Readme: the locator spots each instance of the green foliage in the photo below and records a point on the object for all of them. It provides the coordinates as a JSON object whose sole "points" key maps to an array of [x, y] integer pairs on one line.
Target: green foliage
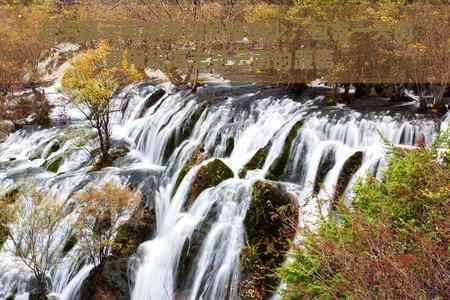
{"points": [[441, 147], [392, 244]]}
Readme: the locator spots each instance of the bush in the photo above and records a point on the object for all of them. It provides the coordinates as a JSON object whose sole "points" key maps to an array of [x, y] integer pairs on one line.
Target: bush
{"points": [[32, 221], [392, 244], [101, 209]]}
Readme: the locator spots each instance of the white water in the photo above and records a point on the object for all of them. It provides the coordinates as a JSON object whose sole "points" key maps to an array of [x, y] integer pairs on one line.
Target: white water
{"points": [[251, 120]]}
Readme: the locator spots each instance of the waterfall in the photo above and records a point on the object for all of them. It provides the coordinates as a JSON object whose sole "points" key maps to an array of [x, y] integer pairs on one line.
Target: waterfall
{"points": [[231, 123]]}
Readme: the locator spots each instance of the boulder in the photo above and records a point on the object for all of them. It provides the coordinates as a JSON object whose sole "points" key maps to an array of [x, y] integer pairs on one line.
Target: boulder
{"points": [[209, 175], [278, 167], [151, 100], [133, 232], [196, 158], [270, 223], [349, 168], [178, 136], [257, 161], [325, 165], [109, 280]]}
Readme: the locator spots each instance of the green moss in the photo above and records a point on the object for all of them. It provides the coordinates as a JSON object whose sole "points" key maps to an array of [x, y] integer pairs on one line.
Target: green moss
{"points": [[196, 158], [53, 164], [114, 154], [330, 100], [270, 224], [3, 234], [278, 167], [257, 161], [133, 232], [188, 126], [208, 176]]}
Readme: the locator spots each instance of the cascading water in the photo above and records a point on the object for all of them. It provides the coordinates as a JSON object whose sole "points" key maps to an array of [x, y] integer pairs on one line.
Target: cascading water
{"points": [[231, 124]]}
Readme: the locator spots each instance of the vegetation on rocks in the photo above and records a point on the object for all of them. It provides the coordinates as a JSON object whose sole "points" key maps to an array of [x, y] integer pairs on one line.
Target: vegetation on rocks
{"points": [[392, 244], [209, 175], [100, 210], [257, 160], [270, 224], [196, 158], [278, 167], [109, 280]]}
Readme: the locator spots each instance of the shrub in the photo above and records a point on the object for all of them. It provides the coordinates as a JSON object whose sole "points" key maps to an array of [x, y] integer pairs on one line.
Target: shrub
{"points": [[32, 224], [392, 244], [101, 209]]}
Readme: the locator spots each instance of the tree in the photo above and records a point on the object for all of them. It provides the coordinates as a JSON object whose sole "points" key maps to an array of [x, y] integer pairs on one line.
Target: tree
{"points": [[92, 86], [100, 210], [32, 224]]}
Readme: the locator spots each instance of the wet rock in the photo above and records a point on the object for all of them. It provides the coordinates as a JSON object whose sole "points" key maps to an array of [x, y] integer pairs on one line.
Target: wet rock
{"points": [[109, 280], [278, 167], [178, 136], [349, 168], [151, 100], [208, 176], [196, 158], [191, 248], [53, 164], [257, 161], [69, 244], [270, 224], [326, 164], [3, 234], [229, 146], [133, 232], [115, 153]]}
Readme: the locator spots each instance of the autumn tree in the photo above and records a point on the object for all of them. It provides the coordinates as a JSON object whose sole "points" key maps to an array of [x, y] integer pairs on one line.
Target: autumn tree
{"points": [[92, 84], [33, 227], [100, 211]]}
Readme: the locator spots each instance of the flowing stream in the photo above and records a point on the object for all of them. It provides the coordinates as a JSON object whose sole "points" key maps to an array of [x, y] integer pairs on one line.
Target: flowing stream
{"points": [[230, 123]]}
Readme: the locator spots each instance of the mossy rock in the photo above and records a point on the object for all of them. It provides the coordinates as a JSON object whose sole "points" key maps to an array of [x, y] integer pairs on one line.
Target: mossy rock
{"points": [[3, 234], [53, 164], [278, 167], [133, 232], [176, 138], [114, 154], [351, 165], [151, 100], [209, 175], [271, 223], [325, 165], [196, 158], [257, 161], [330, 100], [109, 280]]}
